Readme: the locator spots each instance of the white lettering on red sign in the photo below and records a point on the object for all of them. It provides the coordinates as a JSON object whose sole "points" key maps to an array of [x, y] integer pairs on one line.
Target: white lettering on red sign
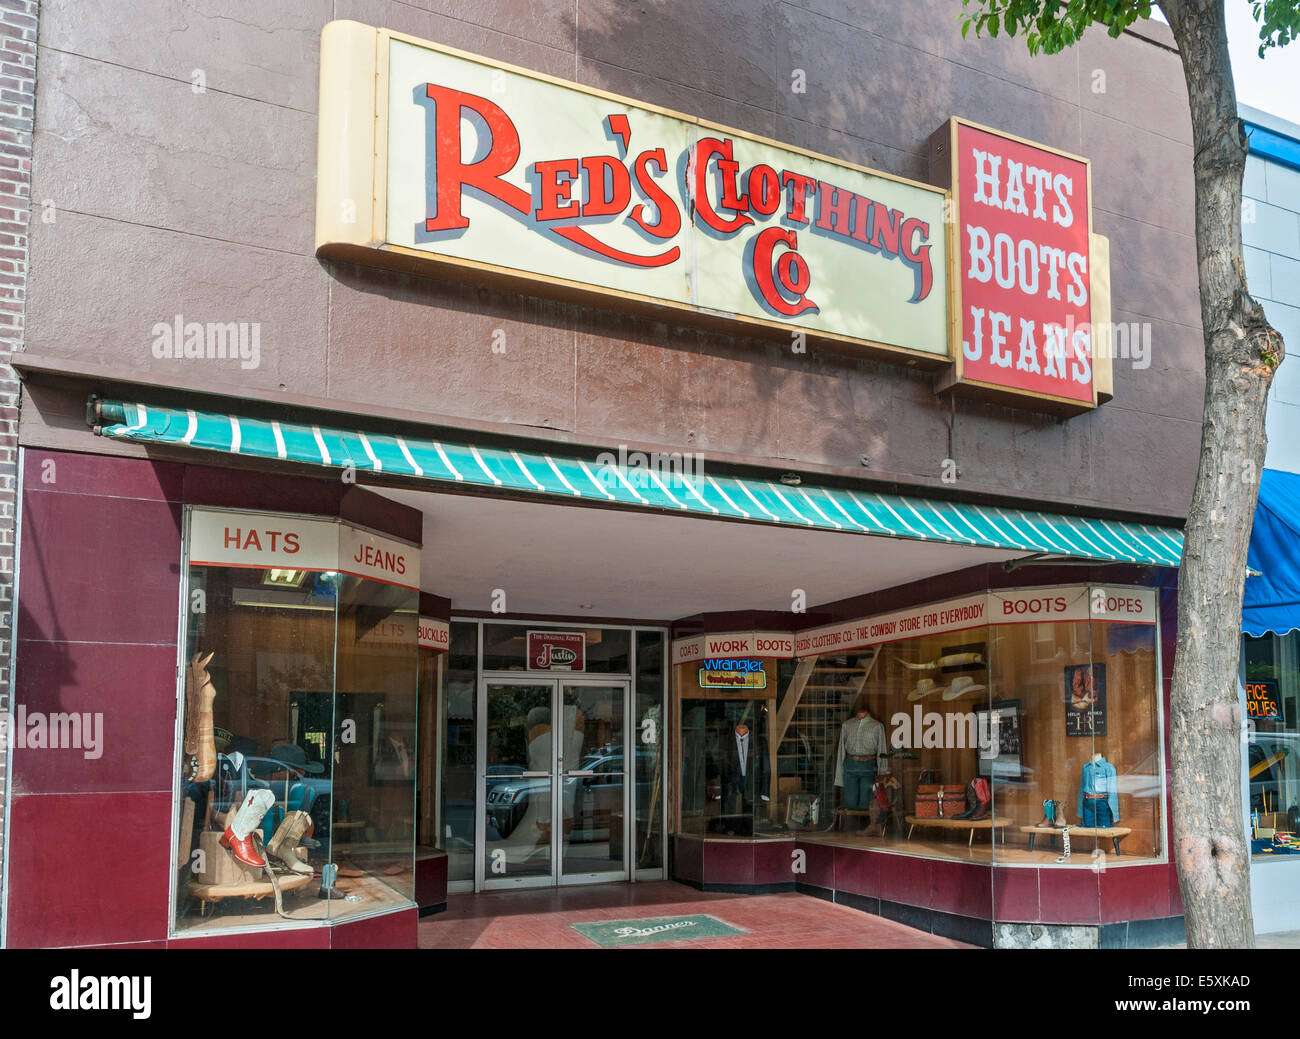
{"points": [[1025, 280]]}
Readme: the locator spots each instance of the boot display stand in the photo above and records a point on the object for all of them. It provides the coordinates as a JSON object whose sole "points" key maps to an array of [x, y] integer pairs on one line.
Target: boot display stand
{"points": [[1114, 834], [224, 877], [971, 825]]}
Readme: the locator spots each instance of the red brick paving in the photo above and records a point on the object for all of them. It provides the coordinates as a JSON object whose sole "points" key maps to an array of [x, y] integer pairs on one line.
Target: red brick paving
{"points": [[542, 919]]}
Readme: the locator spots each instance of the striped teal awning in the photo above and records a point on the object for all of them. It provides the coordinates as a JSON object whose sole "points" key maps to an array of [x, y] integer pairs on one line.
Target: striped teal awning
{"points": [[567, 476]]}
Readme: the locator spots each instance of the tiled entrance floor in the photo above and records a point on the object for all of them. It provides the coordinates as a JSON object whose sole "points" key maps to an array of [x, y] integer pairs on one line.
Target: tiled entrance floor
{"points": [[542, 919]]}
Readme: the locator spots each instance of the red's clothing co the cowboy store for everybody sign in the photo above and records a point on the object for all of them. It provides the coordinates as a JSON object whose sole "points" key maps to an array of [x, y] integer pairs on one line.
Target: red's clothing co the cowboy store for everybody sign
{"points": [[500, 174]]}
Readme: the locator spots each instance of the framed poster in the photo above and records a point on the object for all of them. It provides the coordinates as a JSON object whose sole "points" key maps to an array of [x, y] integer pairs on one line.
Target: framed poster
{"points": [[1085, 700], [1001, 743]]}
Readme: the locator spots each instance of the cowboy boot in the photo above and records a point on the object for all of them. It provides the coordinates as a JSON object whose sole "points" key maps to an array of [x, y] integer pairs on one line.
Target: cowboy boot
{"points": [[1060, 821], [877, 827], [239, 833], [285, 842], [972, 802], [983, 800], [1049, 814]]}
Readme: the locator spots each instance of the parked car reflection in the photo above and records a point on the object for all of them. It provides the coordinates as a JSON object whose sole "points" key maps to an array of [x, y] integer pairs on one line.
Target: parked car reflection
{"points": [[595, 798]]}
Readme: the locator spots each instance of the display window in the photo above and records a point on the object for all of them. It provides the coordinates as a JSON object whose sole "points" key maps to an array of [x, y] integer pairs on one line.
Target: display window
{"points": [[1271, 666], [299, 753], [1014, 727]]}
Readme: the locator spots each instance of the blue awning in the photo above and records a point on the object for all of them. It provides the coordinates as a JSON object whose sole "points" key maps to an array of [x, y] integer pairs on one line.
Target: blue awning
{"points": [[557, 476], [1272, 602]]}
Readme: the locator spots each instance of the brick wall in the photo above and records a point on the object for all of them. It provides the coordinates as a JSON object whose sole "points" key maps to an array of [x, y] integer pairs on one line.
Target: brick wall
{"points": [[18, 22]]}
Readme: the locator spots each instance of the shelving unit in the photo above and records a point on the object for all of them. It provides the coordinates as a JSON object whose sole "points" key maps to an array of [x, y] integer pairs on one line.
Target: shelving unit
{"points": [[814, 707]]}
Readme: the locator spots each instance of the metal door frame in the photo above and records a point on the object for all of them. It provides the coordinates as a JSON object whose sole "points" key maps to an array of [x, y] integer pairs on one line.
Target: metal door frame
{"points": [[555, 878], [629, 780]]}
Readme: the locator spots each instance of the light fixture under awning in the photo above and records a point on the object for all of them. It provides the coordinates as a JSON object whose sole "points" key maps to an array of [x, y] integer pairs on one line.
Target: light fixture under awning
{"points": [[554, 476]]}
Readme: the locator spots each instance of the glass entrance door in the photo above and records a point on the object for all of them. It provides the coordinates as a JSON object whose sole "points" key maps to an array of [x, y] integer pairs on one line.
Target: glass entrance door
{"points": [[553, 791]]}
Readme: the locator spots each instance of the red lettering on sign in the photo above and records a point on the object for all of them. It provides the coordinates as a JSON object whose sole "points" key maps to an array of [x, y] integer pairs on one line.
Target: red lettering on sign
{"points": [[706, 149], [487, 174], [790, 269]]}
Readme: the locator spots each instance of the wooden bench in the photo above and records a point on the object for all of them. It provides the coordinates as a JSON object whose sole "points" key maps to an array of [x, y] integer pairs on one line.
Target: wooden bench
{"points": [[972, 825], [1114, 833]]}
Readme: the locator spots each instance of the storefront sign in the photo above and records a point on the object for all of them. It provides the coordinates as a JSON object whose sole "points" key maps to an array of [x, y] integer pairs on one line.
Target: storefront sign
{"points": [[734, 644], [557, 651], [508, 175], [933, 619], [434, 634], [273, 541], [733, 674], [262, 541], [366, 554], [1130, 606], [1263, 700], [1022, 279]]}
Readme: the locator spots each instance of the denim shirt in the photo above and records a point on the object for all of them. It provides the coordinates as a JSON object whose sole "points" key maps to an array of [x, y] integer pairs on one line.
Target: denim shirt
{"points": [[1099, 778]]}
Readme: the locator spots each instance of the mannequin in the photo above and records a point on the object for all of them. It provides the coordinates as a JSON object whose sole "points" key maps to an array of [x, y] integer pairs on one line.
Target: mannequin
{"points": [[862, 752], [536, 822], [1098, 793], [743, 774]]}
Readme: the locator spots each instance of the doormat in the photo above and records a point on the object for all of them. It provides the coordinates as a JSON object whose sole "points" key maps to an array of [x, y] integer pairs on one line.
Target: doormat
{"points": [[612, 934]]}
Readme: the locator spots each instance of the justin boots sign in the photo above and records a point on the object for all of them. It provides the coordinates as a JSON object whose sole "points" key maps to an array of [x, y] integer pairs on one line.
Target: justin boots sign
{"points": [[436, 160], [496, 173]]}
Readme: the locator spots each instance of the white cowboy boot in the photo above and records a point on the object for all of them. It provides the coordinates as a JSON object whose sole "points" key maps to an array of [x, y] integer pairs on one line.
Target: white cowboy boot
{"points": [[239, 833], [284, 843]]}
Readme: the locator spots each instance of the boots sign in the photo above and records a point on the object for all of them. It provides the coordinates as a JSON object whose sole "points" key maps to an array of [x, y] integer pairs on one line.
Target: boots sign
{"points": [[1022, 291], [503, 174]]}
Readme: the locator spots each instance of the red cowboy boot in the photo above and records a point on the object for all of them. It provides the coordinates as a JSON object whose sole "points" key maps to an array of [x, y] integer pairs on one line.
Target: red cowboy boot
{"points": [[244, 851], [239, 832]]}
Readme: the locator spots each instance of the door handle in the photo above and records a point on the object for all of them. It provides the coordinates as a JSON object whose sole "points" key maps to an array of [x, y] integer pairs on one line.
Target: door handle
{"points": [[534, 775], [587, 772]]}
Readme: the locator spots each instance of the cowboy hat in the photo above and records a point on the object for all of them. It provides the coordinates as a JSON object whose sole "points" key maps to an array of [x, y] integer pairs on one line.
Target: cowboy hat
{"points": [[962, 685], [925, 687]]}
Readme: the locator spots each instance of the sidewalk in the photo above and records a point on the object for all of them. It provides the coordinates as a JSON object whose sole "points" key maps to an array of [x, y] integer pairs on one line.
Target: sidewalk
{"points": [[544, 919]]}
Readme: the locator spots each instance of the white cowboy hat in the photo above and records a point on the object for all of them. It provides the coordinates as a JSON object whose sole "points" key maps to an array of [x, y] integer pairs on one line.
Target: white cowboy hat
{"points": [[925, 687], [961, 686]]}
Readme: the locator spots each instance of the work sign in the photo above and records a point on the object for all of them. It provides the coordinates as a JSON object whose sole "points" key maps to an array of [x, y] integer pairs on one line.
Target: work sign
{"points": [[512, 173]]}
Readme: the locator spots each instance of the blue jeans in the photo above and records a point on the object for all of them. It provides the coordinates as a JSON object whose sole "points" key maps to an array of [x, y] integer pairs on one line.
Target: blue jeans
{"points": [[1096, 813], [859, 777]]}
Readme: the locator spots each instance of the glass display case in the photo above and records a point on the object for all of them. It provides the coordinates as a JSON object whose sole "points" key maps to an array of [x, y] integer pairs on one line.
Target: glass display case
{"points": [[1271, 671], [298, 764], [1025, 728]]}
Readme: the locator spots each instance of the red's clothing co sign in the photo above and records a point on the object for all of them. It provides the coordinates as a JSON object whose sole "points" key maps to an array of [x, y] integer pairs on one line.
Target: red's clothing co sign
{"points": [[437, 159]]}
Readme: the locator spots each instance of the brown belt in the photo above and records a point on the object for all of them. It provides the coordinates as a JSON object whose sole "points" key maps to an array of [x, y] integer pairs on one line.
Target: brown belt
{"points": [[1095, 797], [860, 757]]}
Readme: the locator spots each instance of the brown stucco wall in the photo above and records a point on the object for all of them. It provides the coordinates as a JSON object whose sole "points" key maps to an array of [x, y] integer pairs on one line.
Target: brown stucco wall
{"points": [[178, 143]]}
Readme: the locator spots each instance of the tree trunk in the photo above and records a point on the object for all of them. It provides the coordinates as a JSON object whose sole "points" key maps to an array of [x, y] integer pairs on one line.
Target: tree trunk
{"points": [[1241, 353]]}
